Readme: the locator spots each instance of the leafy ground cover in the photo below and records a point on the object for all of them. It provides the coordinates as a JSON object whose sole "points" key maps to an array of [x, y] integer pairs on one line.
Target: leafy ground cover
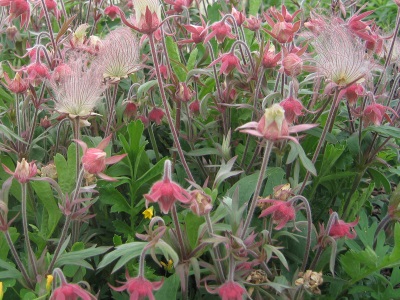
{"points": [[199, 149]]}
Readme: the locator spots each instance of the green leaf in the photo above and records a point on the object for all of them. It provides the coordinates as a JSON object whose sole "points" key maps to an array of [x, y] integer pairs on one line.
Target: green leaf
{"points": [[66, 170], [10, 271], [78, 257], [113, 197], [304, 159], [192, 224], [385, 130], [248, 183], [169, 289], [204, 151], [254, 7], [176, 64], [380, 180], [45, 195], [192, 59], [144, 88]]}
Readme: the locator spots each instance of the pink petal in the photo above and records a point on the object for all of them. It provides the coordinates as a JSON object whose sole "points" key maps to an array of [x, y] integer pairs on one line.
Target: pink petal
{"points": [[103, 144], [82, 144], [114, 159], [106, 177], [301, 127], [248, 125]]}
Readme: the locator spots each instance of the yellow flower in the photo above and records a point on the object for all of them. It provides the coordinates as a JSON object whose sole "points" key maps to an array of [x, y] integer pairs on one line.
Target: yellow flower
{"points": [[148, 213], [49, 281], [168, 266], [1, 291]]}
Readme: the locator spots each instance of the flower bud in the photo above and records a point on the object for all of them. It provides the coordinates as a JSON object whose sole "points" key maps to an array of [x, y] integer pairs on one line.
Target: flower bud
{"points": [[183, 93], [200, 203]]}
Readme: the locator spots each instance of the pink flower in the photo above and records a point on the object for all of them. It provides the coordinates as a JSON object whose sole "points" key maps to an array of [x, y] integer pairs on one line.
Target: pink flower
{"points": [[24, 171], [220, 30], [293, 108], [165, 192], [71, 291], [342, 229], [230, 290], [156, 115], [94, 160], [281, 211], [194, 107], [18, 85], [198, 33], [178, 5], [284, 14], [183, 93], [359, 27], [229, 62], [18, 8], [51, 5], [273, 125], [374, 114], [200, 203], [353, 92], [283, 31], [270, 59], [239, 16], [111, 11], [253, 23], [147, 17], [37, 72], [139, 288]]}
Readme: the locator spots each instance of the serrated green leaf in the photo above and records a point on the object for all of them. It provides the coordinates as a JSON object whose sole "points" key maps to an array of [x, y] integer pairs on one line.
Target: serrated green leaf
{"points": [[66, 170], [113, 197], [192, 59], [176, 64], [169, 289]]}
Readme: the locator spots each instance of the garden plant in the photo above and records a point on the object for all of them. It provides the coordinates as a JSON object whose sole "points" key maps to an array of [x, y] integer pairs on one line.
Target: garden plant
{"points": [[199, 149]]}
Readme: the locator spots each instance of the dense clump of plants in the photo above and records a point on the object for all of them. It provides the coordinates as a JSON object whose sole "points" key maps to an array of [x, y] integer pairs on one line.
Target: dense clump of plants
{"points": [[184, 149]]}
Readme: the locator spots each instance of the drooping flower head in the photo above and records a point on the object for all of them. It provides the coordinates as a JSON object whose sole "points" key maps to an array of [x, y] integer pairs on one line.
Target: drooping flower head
{"points": [[284, 29], [220, 30], [111, 11], [340, 55], [229, 62], [375, 113], [230, 290], [165, 192], [293, 108], [147, 18], [77, 93], [18, 8], [139, 288], [68, 291], [273, 125], [94, 160], [119, 54], [281, 211], [342, 229], [24, 171]]}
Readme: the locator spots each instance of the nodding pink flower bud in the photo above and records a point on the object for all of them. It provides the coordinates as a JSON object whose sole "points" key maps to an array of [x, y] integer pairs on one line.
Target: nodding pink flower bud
{"points": [[198, 34], [164, 71], [220, 30], [60, 72], [144, 120], [270, 59], [177, 6], [194, 107], [45, 122], [94, 160], [253, 23], [292, 64], [374, 114], [156, 115], [341, 229], [37, 72], [165, 192], [18, 8], [230, 290], [353, 92], [18, 85], [200, 203], [24, 171], [70, 291], [139, 287], [239, 16], [12, 33], [229, 62], [281, 211], [111, 11], [293, 108], [51, 6], [315, 25], [183, 93], [228, 94], [130, 109]]}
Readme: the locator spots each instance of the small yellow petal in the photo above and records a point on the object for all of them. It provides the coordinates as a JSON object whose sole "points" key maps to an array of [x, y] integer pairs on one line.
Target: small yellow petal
{"points": [[148, 213], [1, 291], [49, 281]]}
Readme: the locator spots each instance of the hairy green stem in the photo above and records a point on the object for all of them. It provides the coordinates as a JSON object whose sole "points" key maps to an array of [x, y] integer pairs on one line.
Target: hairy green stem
{"points": [[216, 252]]}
